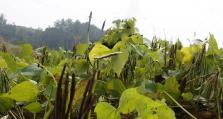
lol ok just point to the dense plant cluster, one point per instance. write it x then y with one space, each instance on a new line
118 77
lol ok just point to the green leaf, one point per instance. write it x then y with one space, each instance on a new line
100 88
187 96
137 49
27 49
64 61
119 46
50 91
9 59
34 107
128 101
105 111
32 71
213 46
24 92
115 85
5 103
97 51
3 63
143 48
118 62
137 39
21 64
148 115
150 86
140 73
81 65
26 52
81 49
164 112
156 56
172 87
131 101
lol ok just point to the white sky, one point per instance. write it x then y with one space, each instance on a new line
175 18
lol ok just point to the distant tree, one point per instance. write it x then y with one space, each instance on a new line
65 33
2 19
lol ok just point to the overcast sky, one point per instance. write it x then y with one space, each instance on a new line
175 18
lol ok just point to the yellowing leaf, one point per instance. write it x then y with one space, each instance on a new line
119 61
172 87
3 63
164 112
11 64
187 55
21 64
128 101
105 111
147 108
79 91
119 46
24 92
148 115
81 49
34 107
97 51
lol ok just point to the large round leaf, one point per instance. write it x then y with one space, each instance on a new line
24 92
131 101
119 61
105 111
97 51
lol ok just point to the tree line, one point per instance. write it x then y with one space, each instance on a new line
64 33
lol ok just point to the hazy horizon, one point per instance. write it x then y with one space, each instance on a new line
171 19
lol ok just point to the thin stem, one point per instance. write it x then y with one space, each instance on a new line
12 114
178 104
34 116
